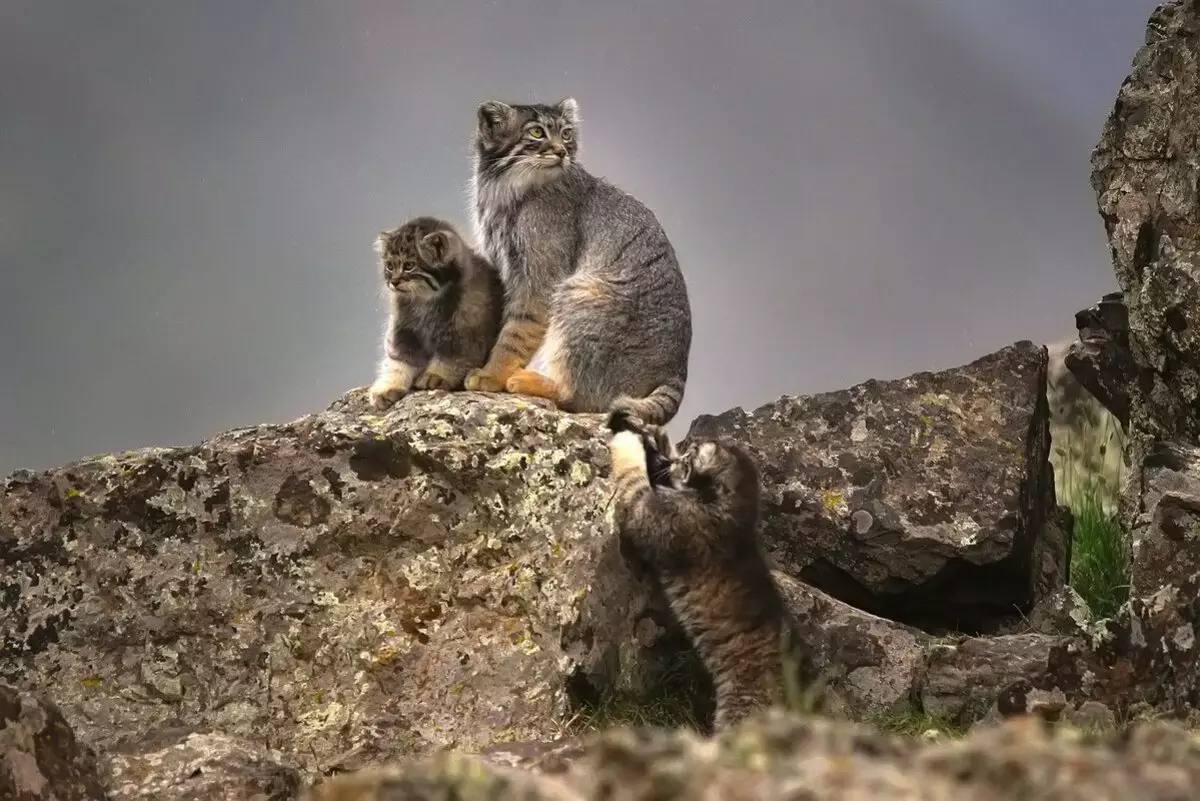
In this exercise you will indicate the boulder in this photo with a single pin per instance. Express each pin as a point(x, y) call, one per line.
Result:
point(872, 666)
point(40, 757)
point(927, 499)
point(346, 587)
point(1145, 178)
point(779, 756)
point(965, 680)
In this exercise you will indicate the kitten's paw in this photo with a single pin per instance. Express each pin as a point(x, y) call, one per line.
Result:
point(483, 381)
point(434, 379)
point(625, 449)
point(383, 394)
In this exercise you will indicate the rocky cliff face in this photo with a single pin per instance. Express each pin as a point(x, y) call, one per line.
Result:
point(1144, 344)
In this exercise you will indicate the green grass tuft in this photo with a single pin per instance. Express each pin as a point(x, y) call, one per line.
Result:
point(670, 703)
point(915, 723)
point(1089, 462)
point(1099, 556)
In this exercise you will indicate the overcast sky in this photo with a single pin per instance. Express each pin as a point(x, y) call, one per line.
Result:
point(856, 188)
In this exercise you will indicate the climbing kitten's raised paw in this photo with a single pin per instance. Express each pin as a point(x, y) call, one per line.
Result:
point(482, 381)
point(383, 394)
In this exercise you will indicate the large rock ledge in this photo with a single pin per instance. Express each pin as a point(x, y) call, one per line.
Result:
point(343, 587)
point(928, 499)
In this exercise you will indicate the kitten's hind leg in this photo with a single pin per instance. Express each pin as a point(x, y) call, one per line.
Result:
point(442, 374)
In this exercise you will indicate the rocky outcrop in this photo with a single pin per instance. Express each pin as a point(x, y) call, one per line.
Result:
point(927, 499)
point(780, 757)
point(1145, 178)
point(1144, 174)
point(40, 757)
point(343, 588)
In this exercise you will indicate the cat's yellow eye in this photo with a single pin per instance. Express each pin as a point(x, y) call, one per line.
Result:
point(537, 132)
point(567, 133)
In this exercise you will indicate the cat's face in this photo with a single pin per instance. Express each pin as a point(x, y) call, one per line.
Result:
point(416, 259)
point(530, 143)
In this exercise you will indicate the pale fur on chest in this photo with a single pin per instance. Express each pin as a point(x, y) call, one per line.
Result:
point(497, 206)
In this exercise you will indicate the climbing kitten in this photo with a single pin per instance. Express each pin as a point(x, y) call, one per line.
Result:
point(692, 518)
point(445, 306)
point(590, 277)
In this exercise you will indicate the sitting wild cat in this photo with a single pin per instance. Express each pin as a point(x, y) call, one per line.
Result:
point(590, 277)
point(445, 307)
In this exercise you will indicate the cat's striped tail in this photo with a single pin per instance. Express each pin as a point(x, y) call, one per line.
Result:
point(655, 409)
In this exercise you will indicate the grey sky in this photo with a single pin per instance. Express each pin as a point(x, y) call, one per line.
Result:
point(856, 188)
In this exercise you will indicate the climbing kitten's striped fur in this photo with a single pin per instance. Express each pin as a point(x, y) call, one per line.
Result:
point(445, 304)
point(590, 277)
point(692, 517)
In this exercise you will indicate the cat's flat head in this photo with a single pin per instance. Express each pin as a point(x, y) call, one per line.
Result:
point(530, 143)
point(418, 259)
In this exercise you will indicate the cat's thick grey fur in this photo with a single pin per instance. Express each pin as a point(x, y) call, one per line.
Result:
point(590, 276)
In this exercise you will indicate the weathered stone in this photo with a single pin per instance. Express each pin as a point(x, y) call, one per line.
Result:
point(1165, 535)
point(344, 588)
point(871, 665)
point(776, 756)
point(964, 680)
point(1145, 177)
point(1145, 655)
point(1101, 359)
point(927, 499)
point(40, 757)
point(202, 767)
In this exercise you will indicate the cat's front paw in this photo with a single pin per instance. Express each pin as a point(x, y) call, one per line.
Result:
point(383, 394)
point(623, 420)
point(483, 381)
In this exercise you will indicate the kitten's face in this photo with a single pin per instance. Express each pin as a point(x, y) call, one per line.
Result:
point(416, 259)
point(716, 470)
point(527, 143)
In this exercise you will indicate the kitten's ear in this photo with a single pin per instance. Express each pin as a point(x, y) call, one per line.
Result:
point(434, 248)
point(381, 243)
point(495, 117)
point(569, 108)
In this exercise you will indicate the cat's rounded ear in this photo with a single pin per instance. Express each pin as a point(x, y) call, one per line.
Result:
point(381, 242)
point(434, 248)
point(569, 108)
point(494, 117)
